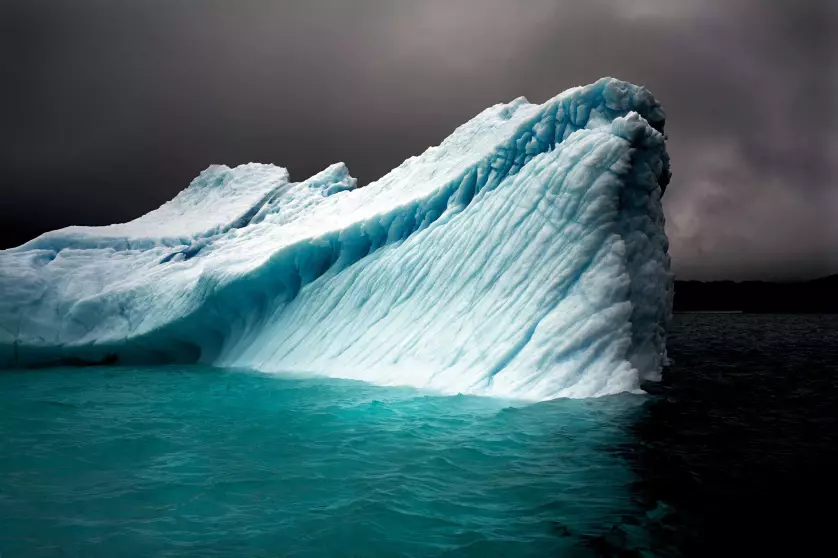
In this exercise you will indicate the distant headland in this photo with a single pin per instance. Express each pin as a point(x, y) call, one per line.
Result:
point(816, 296)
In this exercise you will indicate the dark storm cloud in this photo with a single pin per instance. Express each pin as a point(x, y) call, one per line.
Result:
point(110, 107)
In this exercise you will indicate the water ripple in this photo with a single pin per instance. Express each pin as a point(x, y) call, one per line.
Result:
point(192, 461)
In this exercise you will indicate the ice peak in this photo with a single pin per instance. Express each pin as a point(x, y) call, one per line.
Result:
point(333, 179)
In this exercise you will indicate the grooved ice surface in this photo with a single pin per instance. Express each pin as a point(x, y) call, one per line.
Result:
point(524, 257)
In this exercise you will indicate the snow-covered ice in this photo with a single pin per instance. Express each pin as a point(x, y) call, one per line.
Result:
point(523, 257)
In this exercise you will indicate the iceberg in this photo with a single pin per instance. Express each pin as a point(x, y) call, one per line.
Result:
point(523, 257)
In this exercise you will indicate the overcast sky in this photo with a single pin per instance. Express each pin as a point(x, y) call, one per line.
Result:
point(109, 108)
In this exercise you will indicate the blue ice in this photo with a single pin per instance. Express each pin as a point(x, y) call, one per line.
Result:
point(525, 257)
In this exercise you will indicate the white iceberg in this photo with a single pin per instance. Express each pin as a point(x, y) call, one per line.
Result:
point(523, 257)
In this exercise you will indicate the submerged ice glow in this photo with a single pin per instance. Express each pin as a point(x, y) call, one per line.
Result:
point(524, 257)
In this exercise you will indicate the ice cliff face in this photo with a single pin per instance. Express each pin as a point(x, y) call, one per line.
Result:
point(525, 257)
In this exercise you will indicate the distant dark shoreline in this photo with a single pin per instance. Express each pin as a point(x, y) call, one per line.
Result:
point(807, 297)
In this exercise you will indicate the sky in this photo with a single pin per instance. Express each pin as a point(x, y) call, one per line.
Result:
point(110, 107)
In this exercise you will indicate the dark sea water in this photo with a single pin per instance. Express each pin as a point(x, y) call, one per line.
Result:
point(734, 453)
point(739, 443)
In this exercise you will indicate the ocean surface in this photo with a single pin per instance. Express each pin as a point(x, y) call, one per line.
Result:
point(734, 453)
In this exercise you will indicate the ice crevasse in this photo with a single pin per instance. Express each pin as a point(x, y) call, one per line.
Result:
point(524, 257)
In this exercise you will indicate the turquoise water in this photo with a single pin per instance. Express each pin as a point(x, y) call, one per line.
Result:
point(194, 461)
point(733, 454)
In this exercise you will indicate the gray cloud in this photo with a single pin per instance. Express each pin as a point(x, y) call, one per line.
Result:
point(111, 107)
